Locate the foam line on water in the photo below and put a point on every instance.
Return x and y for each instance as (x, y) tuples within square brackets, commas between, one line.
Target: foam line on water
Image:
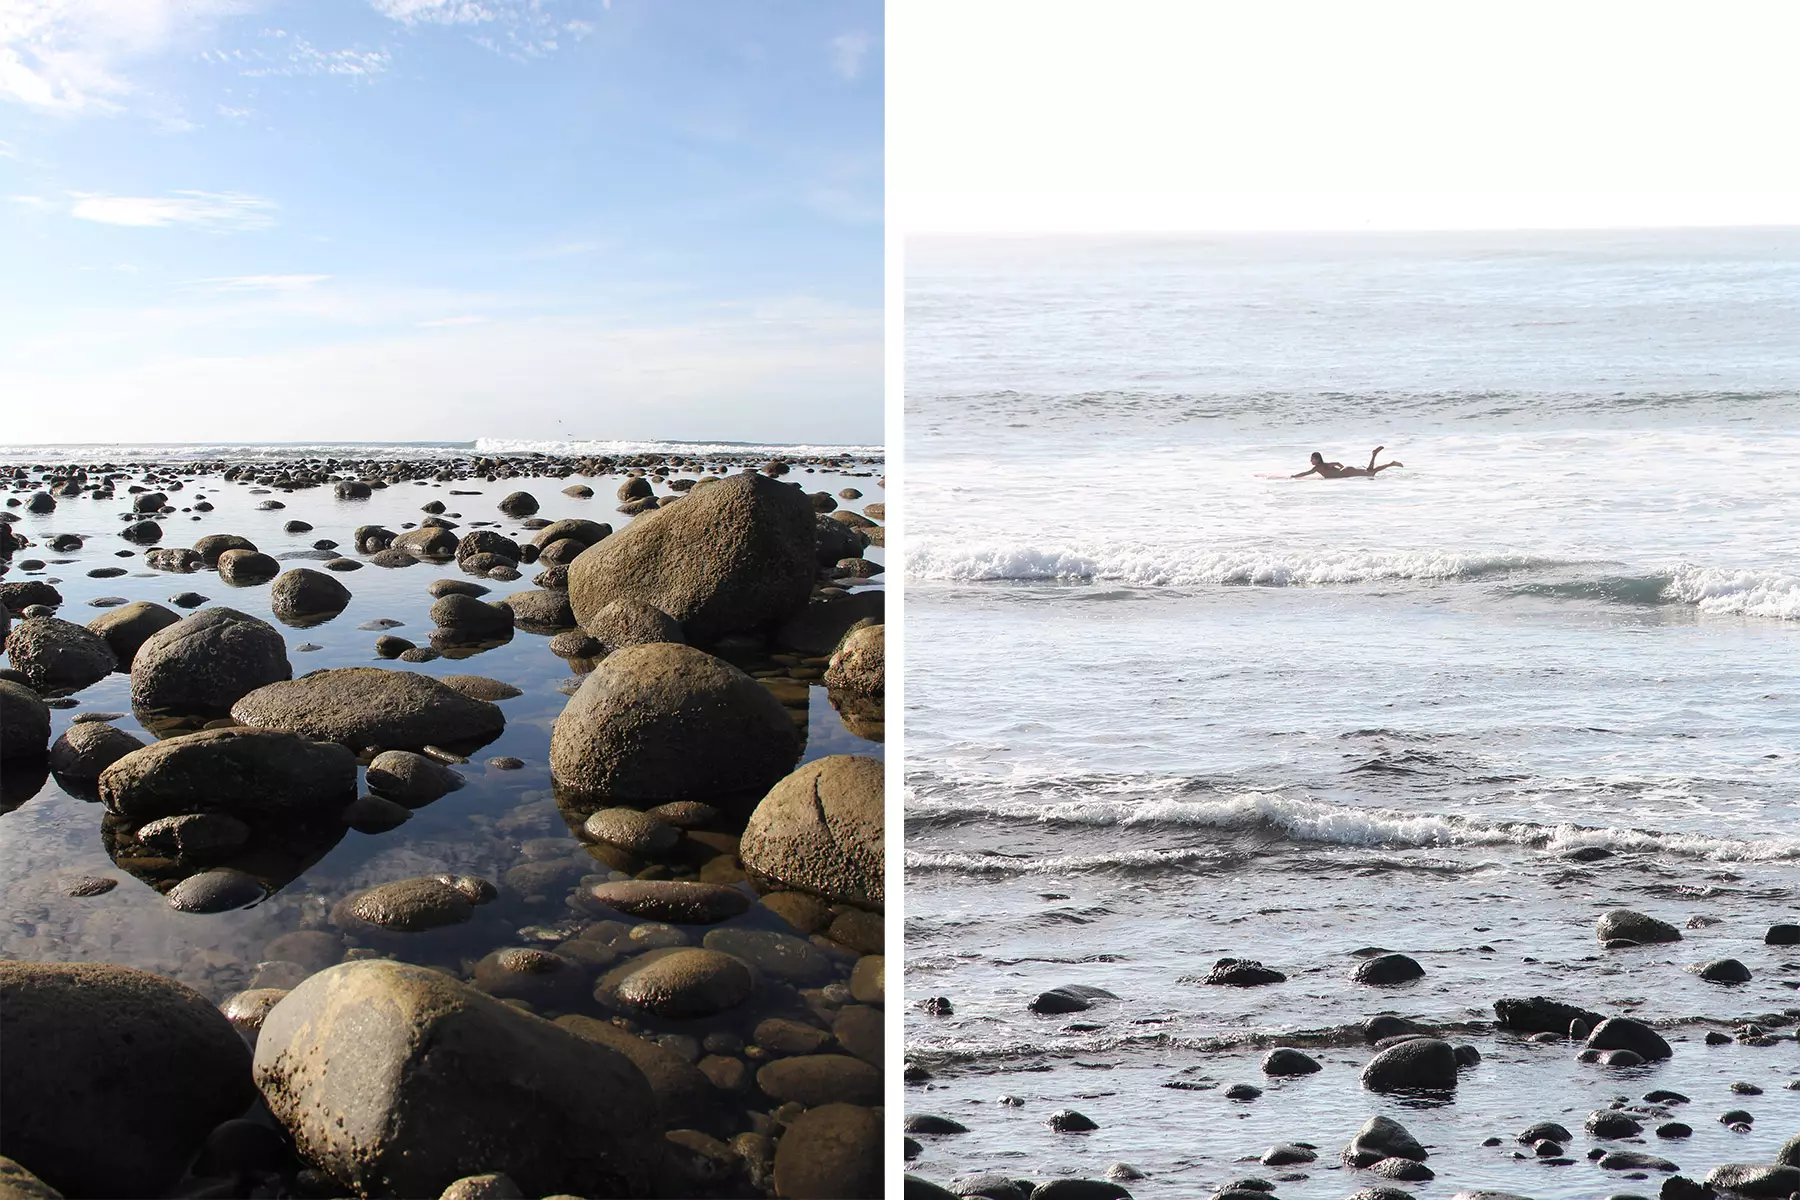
[(1304, 819)]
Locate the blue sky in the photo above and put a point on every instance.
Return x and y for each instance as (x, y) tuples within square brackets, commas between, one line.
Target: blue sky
[(227, 220)]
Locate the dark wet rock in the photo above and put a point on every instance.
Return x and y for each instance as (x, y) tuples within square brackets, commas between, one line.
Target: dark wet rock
[(1243, 1091), (928, 1123), (1287, 1154), (1079, 1189), (1623, 1033), (821, 626), (518, 504), (989, 1185), (679, 983), (194, 836), (17, 597), (187, 600), (487, 1186), (1782, 935), (24, 723), (404, 906), (814, 1079), (634, 831), (389, 646), (205, 663), (734, 557), (1610, 1123), (143, 533), (681, 902), (669, 722), (1386, 970), (236, 770), (244, 567), (126, 628), (1755, 1179), (479, 687), (858, 667), (1789, 1154), (1545, 1131), (831, 1152), (587, 533), (506, 762), (372, 706), (178, 559), (836, 541), (218, 890), (88, 748), (1722, 970), (1242, 972), (412, 779), (303, 593), (400, 1080), (631, 622), (1381, 1138), (1539, 1014), (1285, 1060), (58, 655), (439, 588), (541, 977), (683, 1092), (1418, 1064), (1404, 1169), (478, 543), (1623, 923), (352, 489), (1634, 1160), (1068, 998), (248, 1009), (113, 1076), (393, 558)]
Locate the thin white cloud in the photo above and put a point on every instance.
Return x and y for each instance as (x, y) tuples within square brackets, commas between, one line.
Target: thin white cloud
[(442, 322), (261, 283), (441, 12), (206, 210), (518, 29), (848, 50), (70, 56), (288, 54)]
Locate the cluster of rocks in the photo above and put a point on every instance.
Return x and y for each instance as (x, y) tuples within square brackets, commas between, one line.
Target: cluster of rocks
[(706, 1017)]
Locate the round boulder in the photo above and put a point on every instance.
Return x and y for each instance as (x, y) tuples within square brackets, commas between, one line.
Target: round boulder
[(1622, 924), (669, 722), (242, 568), (399, 1080), (303, 594), (113, 1076), (24, 722), (58, 655), (859, 666), (372, 706), (633, 623), (518, 504), (820, 830), (129, 626), (832, 1152), (88, 748), (205, 663)]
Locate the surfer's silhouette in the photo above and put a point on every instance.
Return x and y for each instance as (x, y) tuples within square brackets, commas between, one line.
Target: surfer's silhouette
[(1337, 470)]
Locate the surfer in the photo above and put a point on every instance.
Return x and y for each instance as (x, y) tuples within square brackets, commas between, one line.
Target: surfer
[(1337, 470)]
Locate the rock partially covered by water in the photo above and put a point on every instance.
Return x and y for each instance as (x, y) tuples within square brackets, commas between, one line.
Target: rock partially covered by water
[(304, 594), (249, 772), (859, 666), (411, 778), (58, 655), (244, 567), (399, 1080), (113, 1076), (1379, 1138), (1623, 1033), (1417, 1064), (24, 722), (205, 663), (129, 626), (832, 1151), (1621, 924), (407, 906), (678, 983), (820, 830), (669, 722), (89, 747), (734, 557), (372, 706)]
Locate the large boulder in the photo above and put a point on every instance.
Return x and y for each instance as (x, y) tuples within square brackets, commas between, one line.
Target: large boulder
[(113, 1076), (735, 557), (572, 529), (243, 568), (88, 748), (58, 655), (831, 1152), (203, 664), (245, 771), (668, 722), (820, 831), (1417, 1064), (210, 547), (304, 594), (24, 722), (426, 542), (129, 626), (820, 627), (541, 607), (399, 1080), (371, 706)]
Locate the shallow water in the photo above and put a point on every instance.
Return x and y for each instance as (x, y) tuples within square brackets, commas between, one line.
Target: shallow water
[(500, 820), (1166, 705)]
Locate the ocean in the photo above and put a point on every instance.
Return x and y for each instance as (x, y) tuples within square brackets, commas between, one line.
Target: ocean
[(1166, 705)]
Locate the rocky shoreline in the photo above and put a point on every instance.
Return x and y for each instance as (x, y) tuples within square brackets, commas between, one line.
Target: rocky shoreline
[(1630, 1148), (650, 958)]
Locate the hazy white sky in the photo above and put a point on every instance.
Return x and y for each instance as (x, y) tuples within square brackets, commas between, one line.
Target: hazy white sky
[(1144, 115)]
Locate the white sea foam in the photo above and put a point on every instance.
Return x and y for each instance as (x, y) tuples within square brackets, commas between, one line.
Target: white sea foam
[(936, 560), (84, 452), (1304, 819), (1740, 593), (699, 449)]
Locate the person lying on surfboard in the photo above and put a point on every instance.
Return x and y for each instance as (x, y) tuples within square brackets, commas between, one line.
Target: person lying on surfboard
[(1337, 470)]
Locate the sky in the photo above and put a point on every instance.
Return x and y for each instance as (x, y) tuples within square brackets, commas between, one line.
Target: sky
[(1037, 116), (258, 220)]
